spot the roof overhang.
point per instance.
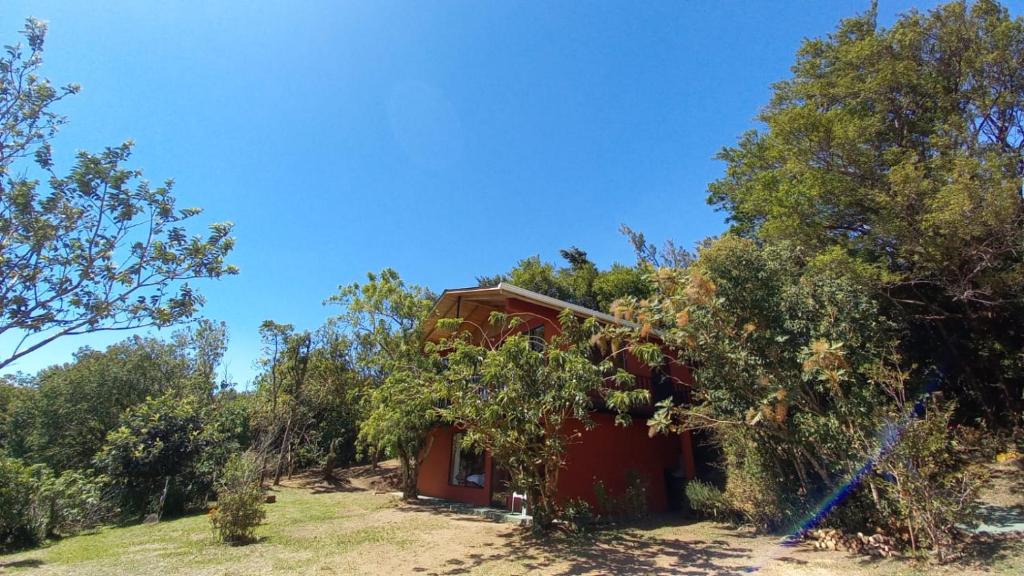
(474, 305)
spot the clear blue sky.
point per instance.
(444, 139)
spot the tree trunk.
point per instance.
(163, 498)
(285, 442)
(409, 469)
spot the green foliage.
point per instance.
(581, 282)
(579, 517)
(75, 501)
(36, 504)
(307, 397)
(754, 489)
(240, 500)
(634, 501)
(156, 448)
(931, 481)
(385, 317)
(100, 249)
(71, 408)
(762, 331)
(629, 506)
(18, 527)
(522, 404)
(898, 151)
(706, 499)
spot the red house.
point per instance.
(606, 452)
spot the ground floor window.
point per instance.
(467, 464)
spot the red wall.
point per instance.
(606, 452)
(436, 468)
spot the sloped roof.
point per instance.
(476, 304)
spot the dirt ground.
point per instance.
(354, 525)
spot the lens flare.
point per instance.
(889, 437)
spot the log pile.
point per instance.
(832, 539)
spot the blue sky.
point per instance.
(446, 140)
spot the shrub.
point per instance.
(35, 503)
(634, 500)
(752, 488)
(706, 499)
(76, 501)
(239, 500)
(933, 481)
(631, 505)
(578, 516)
(17, 494)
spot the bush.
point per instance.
(18, 527)
(35, 503)
(631, 505)
(578, 516)
(930, 476)
(76, 501)
(706, 499)
(634, 500)
(239, 500)
(752, 489)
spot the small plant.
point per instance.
(706, 499)
(630, 506)
(578, 516)
(634, 500)
(607, 506)
(239, 501)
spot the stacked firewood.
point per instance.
(833, 539)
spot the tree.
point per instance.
(581, 282)
(902, 148)
(100, 249)
(385, 317)
(519, 399)
(307, 397)
(75, 405)
(157, 441)
(784, 352)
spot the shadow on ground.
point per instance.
(28, 563)
(630, 551)
(627, 553)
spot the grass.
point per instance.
(320, 529)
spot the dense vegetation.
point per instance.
(866, 303)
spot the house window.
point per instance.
(536, 336)
(467, 464)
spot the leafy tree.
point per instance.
(203, 344)
(902, 149)
(16, 395)
(74, 406)
(99, 249)
(519, 400)
(784, 352)
(581, 282)
(307, 399)
(17, 490)
(385, 317)
(157, 441)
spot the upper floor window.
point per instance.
(536, 337)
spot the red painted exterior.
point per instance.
(436, 466)
(606, 452)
